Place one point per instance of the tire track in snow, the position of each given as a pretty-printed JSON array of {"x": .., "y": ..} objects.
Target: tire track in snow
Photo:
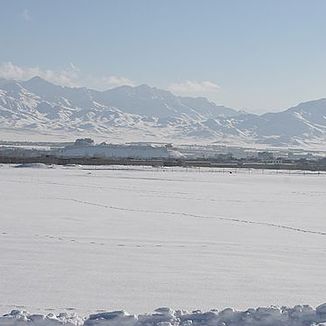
[
  {"x": 118, "y": 242},
  {"x": 122, "y": 243},
  {"x": 221, "y": 218}
]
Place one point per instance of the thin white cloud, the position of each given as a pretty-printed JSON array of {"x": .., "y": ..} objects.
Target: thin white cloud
[
  {"x": 71, "y": 76},
  {"x": 106, "y": 82},
  {"x": 66, "y": 77},
  {"x": 73, "y": 67},
  {"x": 189, "y": 87},
  {"x": 26, "y": 15}
]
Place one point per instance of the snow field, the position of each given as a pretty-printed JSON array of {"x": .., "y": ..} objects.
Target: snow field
[{"x": 79, "y": 239}]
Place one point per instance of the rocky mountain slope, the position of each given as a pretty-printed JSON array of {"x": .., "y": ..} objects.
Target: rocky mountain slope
[{"x": 43, "y": 110}]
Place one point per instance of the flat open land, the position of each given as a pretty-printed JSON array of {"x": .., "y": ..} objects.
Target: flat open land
[{"x": 84, "y": 238}]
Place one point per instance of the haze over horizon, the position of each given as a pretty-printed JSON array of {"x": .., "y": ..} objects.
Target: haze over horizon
[{"x": 250, "y": 55}]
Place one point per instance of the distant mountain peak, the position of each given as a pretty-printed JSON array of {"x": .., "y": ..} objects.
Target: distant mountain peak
[
  {"x": 144, "y": 86},
  {"x": 152, "y": 90},
  {"x": 39, "y": 80}
]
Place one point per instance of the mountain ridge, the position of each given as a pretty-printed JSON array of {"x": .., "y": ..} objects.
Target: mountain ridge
[{"x": 128, "y": 113}]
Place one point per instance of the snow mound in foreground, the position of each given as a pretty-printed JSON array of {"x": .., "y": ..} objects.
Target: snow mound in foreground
[
  {"x": 23, "y": 318},
  {"x": 272, "y": 316},
  {"x": 34, "y": 166}
]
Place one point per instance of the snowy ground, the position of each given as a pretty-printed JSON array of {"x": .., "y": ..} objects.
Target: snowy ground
[
  {"x": 79, "y": 239},
  {"x": 272, "y": 316}
]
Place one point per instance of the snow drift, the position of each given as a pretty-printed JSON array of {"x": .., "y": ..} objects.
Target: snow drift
[{"x": 272, "y": 316}]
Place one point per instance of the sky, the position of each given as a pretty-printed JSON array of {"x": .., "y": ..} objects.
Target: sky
[{"x": 253, "y": 55}]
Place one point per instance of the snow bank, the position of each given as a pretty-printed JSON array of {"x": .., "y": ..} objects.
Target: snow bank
[
  {"x": 23, "y": 318},
  {"x": 35, "y": 166},
  {"x": 272, "y": 316}
]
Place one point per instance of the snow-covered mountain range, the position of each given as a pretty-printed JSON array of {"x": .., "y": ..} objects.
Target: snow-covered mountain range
[{"x": 38, "y": 109}]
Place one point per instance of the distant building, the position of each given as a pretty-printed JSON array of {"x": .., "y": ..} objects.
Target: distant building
[{"x": 84, "y": 142}]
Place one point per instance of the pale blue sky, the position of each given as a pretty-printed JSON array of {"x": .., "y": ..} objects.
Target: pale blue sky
[{"x": 262, "y": 54}]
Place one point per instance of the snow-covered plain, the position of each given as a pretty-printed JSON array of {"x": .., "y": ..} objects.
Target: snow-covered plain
[{"x": 83, "y": 238}]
